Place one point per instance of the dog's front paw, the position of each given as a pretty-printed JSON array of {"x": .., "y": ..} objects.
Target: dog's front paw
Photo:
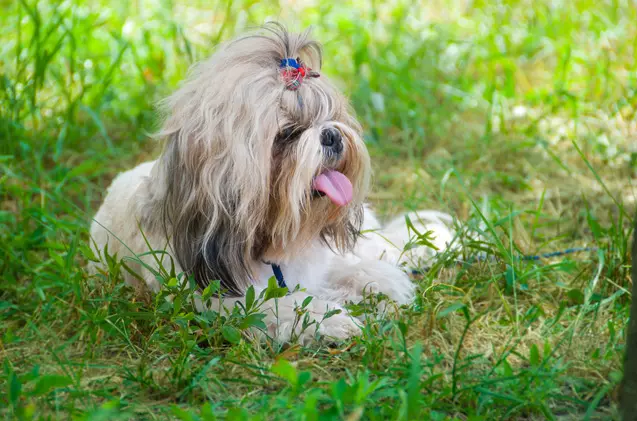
[
  {"x": 339, "y": 326},
  {"x": 298, "y": 323}
]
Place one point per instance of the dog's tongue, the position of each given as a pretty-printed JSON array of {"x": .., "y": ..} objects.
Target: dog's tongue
[{"x": 335, "y": 185}]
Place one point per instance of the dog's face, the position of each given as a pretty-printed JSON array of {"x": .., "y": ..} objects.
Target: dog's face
[
  {"x": 318, "y": 173},
  {"x": 257, "y": 165}
]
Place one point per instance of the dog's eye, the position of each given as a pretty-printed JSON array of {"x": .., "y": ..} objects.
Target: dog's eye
[{"x": 288, "y": 134}]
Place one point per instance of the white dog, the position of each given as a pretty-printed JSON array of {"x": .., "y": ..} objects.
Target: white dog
[{"x": 263, "y": 171}]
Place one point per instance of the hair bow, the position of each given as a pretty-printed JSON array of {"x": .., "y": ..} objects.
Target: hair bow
[{"x": 294, "y": 71}]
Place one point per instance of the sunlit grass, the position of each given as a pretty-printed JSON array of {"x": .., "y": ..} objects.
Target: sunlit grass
[{"x": 517, "y": 117}]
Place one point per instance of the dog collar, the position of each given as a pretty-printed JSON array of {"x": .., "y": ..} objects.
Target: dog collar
[{"x": 278, "y": 274}]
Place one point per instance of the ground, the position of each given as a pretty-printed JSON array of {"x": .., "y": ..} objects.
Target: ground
[{"x": 517, "y": 117}]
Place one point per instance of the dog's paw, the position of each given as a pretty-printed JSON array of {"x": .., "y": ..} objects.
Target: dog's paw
[
  {"x": 339, "y": 327},
  {"x": 288, "y": 326},
  {"x": 397, "y": 286}
]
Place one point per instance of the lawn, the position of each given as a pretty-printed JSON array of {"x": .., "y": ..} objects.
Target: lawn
[{"x": 517, "y": 117}]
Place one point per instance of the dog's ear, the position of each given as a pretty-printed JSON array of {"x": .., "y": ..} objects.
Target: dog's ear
[
  {"x": 219, "y": 256},
  {"x": 213, "y": 177},
  {"x": 196, "y": 206}
]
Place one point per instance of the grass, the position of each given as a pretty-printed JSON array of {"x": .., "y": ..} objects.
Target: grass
[{"x": 516, "y": 116}]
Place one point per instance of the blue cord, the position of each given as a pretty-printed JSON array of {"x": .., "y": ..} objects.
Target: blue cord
[
  {"x": 558, "y": 253},
  {"x": 526, "y": 257}
]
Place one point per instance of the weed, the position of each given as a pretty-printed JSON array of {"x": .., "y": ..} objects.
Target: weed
[{"x": 518, "y": 117}]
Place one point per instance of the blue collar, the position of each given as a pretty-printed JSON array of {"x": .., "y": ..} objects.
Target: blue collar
[{"x": 276, "y": 269}]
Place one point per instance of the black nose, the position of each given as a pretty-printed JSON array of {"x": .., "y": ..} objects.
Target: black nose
[{"x": 332, "y": 138}]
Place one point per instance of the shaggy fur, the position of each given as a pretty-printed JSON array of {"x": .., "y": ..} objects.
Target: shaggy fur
[{"x": 232, "y": 190}]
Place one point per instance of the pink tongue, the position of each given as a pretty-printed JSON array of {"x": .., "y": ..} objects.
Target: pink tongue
[{"x": 335, "y": 185}]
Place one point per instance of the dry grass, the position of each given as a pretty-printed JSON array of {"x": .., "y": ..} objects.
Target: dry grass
[{"x": 517, "y": 117}]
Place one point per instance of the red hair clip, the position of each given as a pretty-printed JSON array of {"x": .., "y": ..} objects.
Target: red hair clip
[{"x": 294, "y": 71}]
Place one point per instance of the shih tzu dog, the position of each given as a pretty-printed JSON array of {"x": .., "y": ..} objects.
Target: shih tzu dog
[{"x": 264, "y": 172}]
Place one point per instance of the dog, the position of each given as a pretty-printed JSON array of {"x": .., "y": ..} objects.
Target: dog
[{"x": 263, "y": 170}]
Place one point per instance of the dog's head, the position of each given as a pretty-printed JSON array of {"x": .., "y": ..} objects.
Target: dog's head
[{"x": 263, "y": 157}]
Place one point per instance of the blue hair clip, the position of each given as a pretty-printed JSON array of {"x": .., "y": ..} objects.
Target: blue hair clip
[{"x": 289, "y": 62}]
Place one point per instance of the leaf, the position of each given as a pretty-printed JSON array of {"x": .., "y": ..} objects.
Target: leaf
[
  {"x": 311, "y": 404},
  {"x": 4, "y": 305},
  {"x": 422, "y": 239},
  {"x": 15, "y": 388},
  {"x": 59, "y": 145},
  {"x": 510, "y": 277},
  {"x": 307, "y": 301},
  {"x": 547, "y": 349},
  {"x": 413, "y": 384},
  {"x": 85, "y": 168},
  {"x": 339, "y": 390},
  {"x": 207, "y": 293},
  {"x": 507, "y": 219},
  {"x": 253, "y": 320},
  {"x": 451, "y": 309},
  {"x": 46, "y": 384},
  {"x": 231, "y": 334},
  {"x": 206, "y": 412},
  {"x": 177, "y": 304},
  {"x": 285, "y": 370},
  {"x": 88, "y": 253},
  {"x": 575, "y": 296},
  {"x": 273, "y": 290},
  {"x": 611, "y": 329},
  {"x": 237, "y": 414},
  {"x": 595, "y": 227},
  {"x": 402, "y": 326},
  {"x": 304, "y": 377},
  {"x": 465, "y": 312},
  {"x": 182, "y": 414},
  {"x": 28, "y": 412},
  {"x": 332, "y": 313},
  {"x": 249, "y": 297},
  {"x": 508, "y": 371},
  {"x": 534, "y": 356},
  {"x": 596, "y": 354}
]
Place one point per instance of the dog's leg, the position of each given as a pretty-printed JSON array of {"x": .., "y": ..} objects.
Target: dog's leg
[
  {"x": 397, "y": 243},
  {"x": 373, "y": 267},
  {"x": 284, "y": 317},
  {"x": 351, "y": 278}
]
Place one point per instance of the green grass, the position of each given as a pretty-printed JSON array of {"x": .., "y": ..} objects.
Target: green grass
[{"x": 517, "y": 116}]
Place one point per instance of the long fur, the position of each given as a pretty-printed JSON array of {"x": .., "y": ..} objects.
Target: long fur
[
  {"x": 232, "y": 188},
  {"x": 226, "y": 192}
]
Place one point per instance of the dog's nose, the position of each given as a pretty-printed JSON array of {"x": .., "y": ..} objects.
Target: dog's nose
[{"x": 332, "y": 138}]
